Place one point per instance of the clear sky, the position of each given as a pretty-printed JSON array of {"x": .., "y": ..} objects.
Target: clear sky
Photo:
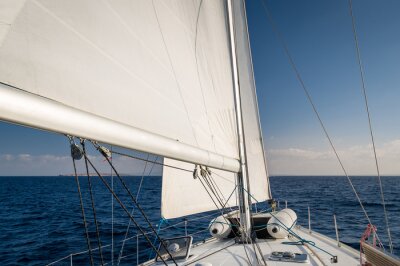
[{"x": 319, "y": 37}]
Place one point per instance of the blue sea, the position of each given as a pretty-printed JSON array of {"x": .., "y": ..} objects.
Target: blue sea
[{"x": 40, "y": 217}]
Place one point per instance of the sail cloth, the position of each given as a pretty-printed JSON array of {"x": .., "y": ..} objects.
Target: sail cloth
[
  {"x": 159, "y": 69},
  {"x": 255, "y": 157},
  {"x": 180, "y": 187},
  {"x": 183, "y": 195},
  {"x": 142, "y": 63}
]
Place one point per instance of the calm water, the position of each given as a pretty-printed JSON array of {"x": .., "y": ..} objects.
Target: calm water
[{"x": 40, "y": 217}]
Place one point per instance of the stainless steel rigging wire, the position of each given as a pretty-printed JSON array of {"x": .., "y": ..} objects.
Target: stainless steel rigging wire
[
  {"x": 126, "y": 210},
  {"x": 93, "y": 204},
  {"x": 221, "y": 210},
  {"x": 112, "y": 213},
  {"x": 158, "y": 163},
  {"x": 71, "y": 141},
  {"x": 361, "y": 69},
  {"x": 137, "y": 197},
  {"x": 308, "y": 95},
  {"x": 101, "y": 151},
  {"x": 201, "y": 181}
]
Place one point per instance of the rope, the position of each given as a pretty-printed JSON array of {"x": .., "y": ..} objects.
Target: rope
[
  {"x": 223, "y": 205},
  {"x": 92, "y": 201},
  {"x": 370, "y": 229},
  {"x": 158, "y": 163},
  {"x": 204, "y": 174},
  {"x": 112, "y": 213},
  {"x": 208, "y": 172},
  {"x": 171, "y": 166},
  {"x": 215, "y": 185},
  {"x": 301, "y": 241},
  {"x": 209, "y": 194},
  {"x": 361, "y": 69},
  {"x": 299, "y": 78},
  {"x": 81, "y": 203},
  {"x": 124, "y": 208},
  {"x": 137, "y": 196},
  {"x": 135, "y": 236},
  {"x": 134, "y": 200},
  {"x": 262, "y": 255},
  {"x": 254, "y": 234},
  {"x": 195, "y": 174},
  {"x": 155, "y": 239},
  {"x": 178, "y": 168},
  {"x": 243, "y": 188}
]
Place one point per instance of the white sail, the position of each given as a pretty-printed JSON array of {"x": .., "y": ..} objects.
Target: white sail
[
  {"x": 155, "y": 76},
  {"x": 179, "y": 187},
  {"x": 183, "y": 195},
  {"x": 255, "y": 157},
  {"x": 142, "y": 64}
]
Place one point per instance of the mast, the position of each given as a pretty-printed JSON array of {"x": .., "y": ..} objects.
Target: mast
[{"x": 242, "y": 176}]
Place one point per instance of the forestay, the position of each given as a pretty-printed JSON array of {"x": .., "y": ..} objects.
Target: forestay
[{"x": 180, "y": 187}]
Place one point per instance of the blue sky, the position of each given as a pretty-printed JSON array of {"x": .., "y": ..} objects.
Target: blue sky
[{"x": 319, "y": 37}]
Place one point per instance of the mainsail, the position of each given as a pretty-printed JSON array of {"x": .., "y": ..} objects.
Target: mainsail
[{"x": 154, "y": 76}]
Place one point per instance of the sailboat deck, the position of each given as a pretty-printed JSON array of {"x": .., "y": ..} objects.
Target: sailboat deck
[{"x": 227, "y": 252}]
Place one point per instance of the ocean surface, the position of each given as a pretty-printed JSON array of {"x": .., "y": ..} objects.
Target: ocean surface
[{"x": 41, "y": 222}]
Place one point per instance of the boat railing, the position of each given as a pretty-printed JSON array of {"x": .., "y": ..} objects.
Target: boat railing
[
  {"x": 336, "y": 220},
  {"x": 183, "y": 227}
]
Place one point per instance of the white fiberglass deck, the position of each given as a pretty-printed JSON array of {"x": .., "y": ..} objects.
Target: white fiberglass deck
[{"x": 226, "y": 252}]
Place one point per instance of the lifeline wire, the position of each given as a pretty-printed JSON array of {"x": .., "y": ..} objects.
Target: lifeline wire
[
  {"x": 178, "y": 168},
  {"x": 299, "y": 78},
  {"x": 125, "y": 209},
  {"x": 361, "y": 69},
  {"x": 137, "y": 197},
  {"x": 133, "y": 200},
  {"x": 129, "y": 224},
  {"x": 182, "y": 169}
]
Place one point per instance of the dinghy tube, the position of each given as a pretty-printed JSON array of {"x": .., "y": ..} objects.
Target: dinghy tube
[
  {"x": 220, "y": 227},
  {"x": 280, "y": 222}
]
